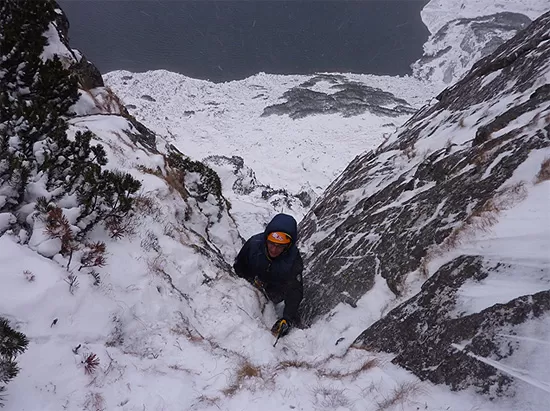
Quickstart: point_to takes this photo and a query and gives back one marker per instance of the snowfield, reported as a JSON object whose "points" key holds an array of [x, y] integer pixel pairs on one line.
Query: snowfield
{"points": [[171, 330]]}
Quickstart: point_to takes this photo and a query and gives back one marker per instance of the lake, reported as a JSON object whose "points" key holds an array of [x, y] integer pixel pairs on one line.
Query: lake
{"points": [[227, 40]]}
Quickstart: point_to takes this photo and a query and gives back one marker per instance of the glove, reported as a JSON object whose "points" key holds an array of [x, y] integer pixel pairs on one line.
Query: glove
{"points": [[281, 328], [256, 282]]}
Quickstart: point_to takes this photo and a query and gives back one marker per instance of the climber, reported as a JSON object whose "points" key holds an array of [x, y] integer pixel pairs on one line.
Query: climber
{"points": [[271, 262]]}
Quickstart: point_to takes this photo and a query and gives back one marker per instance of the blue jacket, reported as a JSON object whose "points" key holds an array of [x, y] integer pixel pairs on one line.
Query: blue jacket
{"points": [[281, 276]]}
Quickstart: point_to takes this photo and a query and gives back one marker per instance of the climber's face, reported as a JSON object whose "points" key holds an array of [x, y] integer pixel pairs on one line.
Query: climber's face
{"points": [[275, 250]]}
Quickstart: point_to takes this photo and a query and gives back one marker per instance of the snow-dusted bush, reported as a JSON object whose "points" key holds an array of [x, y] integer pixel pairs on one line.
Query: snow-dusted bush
{"points": [[12, 343], [209, 181], [38, 159]]}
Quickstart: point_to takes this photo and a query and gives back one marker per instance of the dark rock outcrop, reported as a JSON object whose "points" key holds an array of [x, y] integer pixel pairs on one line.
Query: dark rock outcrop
{"points": [[141, 135], [394, 210], [86, 72], [431, 319], [350, 99]]}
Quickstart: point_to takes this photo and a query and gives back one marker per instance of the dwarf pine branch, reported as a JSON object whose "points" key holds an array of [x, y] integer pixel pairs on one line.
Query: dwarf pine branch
{"points": [[12, 343]]}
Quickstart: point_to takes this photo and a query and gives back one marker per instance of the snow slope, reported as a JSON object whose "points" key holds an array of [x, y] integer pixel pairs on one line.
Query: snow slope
{"points": [[463, 32], [439, 12], [171, 329], [203, 118]]}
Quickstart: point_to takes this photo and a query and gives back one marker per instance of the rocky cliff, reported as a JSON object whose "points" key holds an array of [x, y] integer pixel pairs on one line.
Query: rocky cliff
{"points": [[451, 52], [400, 214]]}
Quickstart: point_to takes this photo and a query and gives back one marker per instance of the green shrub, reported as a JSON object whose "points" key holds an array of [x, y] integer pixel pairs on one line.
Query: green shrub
{"points": [[35, 101], [12, 343]]}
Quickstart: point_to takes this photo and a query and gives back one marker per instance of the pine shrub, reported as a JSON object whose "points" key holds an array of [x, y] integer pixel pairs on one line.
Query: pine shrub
{"points": [[12, 343], [35, 101]]}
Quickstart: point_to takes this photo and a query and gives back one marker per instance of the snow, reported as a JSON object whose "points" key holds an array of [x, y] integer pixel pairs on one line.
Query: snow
{"points": [[438, 12], [173, 332], [514, 372], [6, 219], [227, 121], [475, 296], [168, 339], [56, 47]]}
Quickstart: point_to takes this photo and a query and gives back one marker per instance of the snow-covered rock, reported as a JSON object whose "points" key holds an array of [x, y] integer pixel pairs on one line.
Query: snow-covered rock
{"points": [[455, 47], [462, 32], [465, 165], [168, 325], [437, 13]]}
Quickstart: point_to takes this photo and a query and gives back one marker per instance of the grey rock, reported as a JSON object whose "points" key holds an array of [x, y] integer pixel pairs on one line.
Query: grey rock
{"points": [[477, 37], [424, 331], [349, 99], [88, 74], [144, 137], [390, 208]]}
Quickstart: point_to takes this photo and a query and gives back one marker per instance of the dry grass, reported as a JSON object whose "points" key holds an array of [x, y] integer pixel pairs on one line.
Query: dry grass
{"points": [[544, 172], [424, 267], [210, 401], [145, 204], [367, 365], [149, 170], [112, 102], [91, 363], [400, 395], [94, 402], [177, 367], [283, 365], [324, 396], [481, 157], [29, 276], [410, 151], [107, 101], [173, 178], [247, 371], [448, 145], [182, 329], [156, 265], [328, 398]]}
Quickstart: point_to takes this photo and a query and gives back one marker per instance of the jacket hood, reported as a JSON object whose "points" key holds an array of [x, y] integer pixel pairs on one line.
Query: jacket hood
{"points": [[285, 223]]}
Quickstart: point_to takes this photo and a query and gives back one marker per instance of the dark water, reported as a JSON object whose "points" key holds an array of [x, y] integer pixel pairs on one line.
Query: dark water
{"points": [[227, 40]]}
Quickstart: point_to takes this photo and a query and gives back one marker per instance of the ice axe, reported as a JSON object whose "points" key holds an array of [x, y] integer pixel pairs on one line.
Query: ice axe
{"points": [[281, 330]]}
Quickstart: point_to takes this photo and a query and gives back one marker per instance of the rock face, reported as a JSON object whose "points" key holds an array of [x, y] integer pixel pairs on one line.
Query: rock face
{"points": [[451, 169], [451, 52], [349, 98], [87, 73], [430, 319]]}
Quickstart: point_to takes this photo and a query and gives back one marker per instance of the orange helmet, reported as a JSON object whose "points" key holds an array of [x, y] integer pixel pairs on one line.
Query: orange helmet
{"points": [[278, 237]]}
